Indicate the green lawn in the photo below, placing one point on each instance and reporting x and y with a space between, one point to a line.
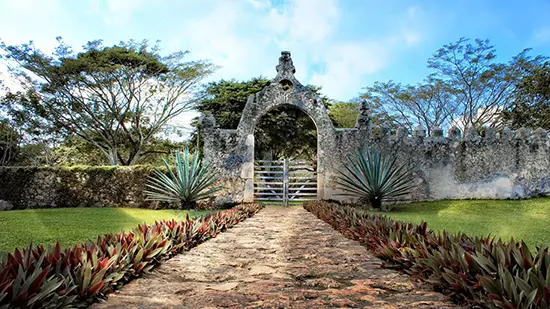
528 220
18 228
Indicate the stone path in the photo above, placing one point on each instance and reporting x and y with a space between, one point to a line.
280 258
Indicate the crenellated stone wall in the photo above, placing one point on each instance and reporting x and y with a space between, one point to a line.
491 164
495 165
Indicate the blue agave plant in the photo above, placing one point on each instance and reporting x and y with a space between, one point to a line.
375 177
188 181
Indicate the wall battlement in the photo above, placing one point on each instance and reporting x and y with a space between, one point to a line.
454 134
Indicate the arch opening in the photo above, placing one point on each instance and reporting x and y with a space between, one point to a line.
285 132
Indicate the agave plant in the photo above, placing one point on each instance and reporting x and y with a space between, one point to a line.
375 177
190 182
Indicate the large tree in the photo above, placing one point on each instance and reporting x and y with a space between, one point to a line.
531 106
467 87
10 141
116 98
429 104
480 86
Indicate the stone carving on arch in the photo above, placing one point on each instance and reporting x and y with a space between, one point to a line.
284 89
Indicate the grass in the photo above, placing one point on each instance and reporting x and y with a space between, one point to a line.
527 220
19 228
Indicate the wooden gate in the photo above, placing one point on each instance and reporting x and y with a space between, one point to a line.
282 182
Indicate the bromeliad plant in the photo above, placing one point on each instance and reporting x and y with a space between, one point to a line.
191 181
481 272
375 177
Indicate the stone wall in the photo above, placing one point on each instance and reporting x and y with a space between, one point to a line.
504 164
498 165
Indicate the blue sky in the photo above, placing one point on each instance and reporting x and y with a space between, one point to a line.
341 45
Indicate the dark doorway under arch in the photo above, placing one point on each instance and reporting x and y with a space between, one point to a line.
285 132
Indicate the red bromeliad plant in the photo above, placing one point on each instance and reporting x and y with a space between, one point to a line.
39 277
481 272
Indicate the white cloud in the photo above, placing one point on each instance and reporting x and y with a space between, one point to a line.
347 62
245 39
115 12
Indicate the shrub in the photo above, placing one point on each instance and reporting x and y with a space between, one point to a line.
375 177
483 272
191 182
39 277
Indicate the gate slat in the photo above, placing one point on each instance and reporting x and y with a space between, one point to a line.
279 184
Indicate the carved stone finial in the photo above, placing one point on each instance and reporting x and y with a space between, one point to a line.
522 133
363 119
489 133
285 64
471 134
540 133
506 133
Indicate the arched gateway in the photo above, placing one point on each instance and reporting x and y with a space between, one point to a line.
446 167
232 151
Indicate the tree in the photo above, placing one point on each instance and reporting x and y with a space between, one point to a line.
285 132
344 114
467 88
226 99
10 141
479 85
531 107
116 98
429 104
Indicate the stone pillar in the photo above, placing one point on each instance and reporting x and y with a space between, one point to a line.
247 172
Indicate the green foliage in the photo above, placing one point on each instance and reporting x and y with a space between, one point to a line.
375 177
226 99
10 141
192 181
428 104
467 87
39 277
285 132
344 115
531 108
117 99
480 272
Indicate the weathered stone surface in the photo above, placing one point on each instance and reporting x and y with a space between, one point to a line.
5 205
280 258
460 166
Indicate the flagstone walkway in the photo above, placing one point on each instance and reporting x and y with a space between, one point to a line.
280 258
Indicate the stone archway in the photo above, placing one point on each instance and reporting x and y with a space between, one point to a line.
230 152
285 89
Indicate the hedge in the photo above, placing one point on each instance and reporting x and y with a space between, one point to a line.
76 186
